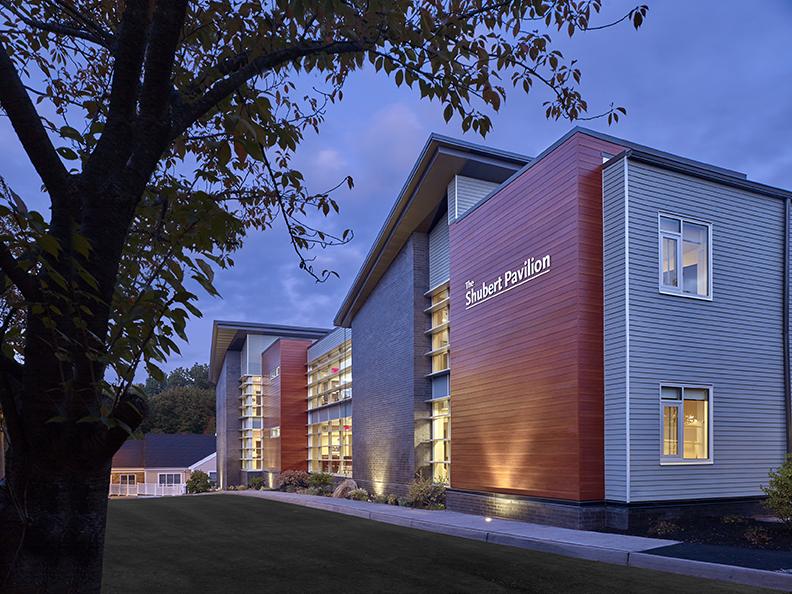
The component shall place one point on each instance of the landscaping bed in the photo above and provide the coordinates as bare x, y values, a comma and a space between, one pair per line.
738, 531
421, 493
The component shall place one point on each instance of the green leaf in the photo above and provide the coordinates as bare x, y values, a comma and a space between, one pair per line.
67, 153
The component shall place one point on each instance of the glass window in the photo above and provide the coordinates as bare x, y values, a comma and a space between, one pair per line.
169, 479
685, 251
685, 421
695, 259
441, 440
440, 339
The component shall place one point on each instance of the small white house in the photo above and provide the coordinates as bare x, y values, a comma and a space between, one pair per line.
160, 464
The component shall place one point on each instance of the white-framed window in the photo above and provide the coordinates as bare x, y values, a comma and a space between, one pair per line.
169, 478
685, 250
685, 423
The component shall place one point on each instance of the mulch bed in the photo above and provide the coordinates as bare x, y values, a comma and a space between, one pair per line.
737, 531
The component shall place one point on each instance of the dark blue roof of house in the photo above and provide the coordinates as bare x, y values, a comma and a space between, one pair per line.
161, 450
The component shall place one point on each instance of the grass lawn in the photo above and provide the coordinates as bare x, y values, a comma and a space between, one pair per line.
226, 544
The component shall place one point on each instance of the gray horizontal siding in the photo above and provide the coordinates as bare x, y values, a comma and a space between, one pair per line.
439, 259
615, 334
464, 193
327, 343
733, 342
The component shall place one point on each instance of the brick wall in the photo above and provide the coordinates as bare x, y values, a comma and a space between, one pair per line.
389, 368
556, 513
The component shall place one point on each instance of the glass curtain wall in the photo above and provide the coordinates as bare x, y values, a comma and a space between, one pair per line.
440, 412
330, 411
250, 421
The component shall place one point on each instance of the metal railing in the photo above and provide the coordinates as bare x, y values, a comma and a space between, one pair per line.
146, 489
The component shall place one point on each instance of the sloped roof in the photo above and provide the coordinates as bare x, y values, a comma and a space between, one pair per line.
439, 161
160, 450
230, 336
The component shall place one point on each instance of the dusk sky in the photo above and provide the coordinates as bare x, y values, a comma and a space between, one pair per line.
710, 80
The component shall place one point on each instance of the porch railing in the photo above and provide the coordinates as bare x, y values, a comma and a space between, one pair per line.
154, 489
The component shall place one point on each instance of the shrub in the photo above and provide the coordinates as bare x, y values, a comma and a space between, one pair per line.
663, 528
291, 480
757, 536
391, 499
425, 494
258, 483
734, 519
403, 501
198, 482
321, 480
358, 495
380, 499
779, 492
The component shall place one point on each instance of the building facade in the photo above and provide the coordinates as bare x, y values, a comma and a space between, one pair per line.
579, 338
235, 367
329, 395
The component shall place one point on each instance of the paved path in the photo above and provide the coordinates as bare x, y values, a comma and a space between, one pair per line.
618, 549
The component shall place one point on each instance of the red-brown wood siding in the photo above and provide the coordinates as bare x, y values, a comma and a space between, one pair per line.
289, 403
527, 365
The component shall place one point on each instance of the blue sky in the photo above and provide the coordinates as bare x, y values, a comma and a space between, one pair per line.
710, 80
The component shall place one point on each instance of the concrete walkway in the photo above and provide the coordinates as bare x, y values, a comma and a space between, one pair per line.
633, 551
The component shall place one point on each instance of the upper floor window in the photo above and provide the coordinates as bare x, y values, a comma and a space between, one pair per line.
685, 257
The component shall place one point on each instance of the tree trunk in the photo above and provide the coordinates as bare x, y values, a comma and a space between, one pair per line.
60, 546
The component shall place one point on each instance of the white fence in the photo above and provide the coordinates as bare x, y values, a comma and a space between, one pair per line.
147, 489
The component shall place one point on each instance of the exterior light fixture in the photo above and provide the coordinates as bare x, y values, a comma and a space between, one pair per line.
488, 519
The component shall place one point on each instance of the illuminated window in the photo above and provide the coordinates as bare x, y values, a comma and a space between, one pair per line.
330, 411
441, 440
686, 423
440, 405
330, 446
685, 257
251, 416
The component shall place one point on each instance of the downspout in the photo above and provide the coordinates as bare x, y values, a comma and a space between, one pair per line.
785, 332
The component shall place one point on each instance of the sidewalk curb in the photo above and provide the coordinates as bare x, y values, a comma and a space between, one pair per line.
640, 559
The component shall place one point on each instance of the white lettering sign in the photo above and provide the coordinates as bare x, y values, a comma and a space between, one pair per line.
530, 269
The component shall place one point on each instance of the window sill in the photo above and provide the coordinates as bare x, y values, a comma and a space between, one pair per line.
686, 462
685, 295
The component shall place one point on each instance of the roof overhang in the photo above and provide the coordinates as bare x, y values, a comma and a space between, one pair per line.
419, 202
230, 336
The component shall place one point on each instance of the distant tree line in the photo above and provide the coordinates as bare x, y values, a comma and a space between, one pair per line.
182, 402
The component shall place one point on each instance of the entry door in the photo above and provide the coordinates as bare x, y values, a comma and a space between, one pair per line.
128, 484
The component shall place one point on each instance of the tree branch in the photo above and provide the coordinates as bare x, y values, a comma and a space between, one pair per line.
21, 279
193, 111
58, 28
12, 380
29, 129
113, 148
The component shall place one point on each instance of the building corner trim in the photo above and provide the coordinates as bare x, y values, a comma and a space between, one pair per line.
626, 330
785, 331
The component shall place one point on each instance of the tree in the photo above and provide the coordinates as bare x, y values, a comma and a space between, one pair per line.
196, 376
163, 133
183, 403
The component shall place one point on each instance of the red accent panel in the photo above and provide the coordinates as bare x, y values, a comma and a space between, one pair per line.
527, 365
285, 405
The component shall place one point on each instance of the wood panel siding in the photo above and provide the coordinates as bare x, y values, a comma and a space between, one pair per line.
526, 365
285, 404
